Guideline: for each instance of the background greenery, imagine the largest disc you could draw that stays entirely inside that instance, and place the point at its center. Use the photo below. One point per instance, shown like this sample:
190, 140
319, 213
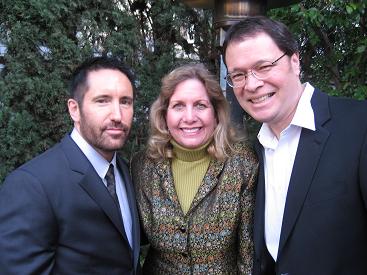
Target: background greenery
42, 41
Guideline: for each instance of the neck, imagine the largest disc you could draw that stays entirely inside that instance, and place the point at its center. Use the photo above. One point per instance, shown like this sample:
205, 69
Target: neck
186, 154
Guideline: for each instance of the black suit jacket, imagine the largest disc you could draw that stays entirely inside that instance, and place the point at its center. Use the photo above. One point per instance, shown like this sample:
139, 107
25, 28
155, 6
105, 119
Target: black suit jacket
324, 229
57, 217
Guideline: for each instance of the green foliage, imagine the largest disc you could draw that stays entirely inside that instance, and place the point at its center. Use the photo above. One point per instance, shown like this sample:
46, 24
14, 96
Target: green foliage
333, 39
166, 28
45, 41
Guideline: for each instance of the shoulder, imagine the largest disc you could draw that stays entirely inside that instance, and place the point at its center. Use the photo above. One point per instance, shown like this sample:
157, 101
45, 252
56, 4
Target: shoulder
338, 112
242, 161
240, 167
345, 101
48, 169
43, 164
336, 103
38, 173
353, 107
139, 159
243, 151
142, 164
147, 172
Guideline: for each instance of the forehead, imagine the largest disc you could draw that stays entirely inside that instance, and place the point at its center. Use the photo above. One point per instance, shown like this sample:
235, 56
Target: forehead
249, 50
255, 40
109, 80
190, 89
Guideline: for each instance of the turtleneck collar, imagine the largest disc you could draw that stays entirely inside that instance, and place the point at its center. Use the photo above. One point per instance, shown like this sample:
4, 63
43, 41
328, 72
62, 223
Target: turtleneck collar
189, 155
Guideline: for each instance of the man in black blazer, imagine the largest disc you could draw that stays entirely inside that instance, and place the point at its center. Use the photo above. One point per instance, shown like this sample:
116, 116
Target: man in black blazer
310, 213
59, 214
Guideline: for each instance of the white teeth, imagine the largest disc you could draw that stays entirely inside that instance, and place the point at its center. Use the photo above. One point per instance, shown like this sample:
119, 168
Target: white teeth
190, 130
260, 99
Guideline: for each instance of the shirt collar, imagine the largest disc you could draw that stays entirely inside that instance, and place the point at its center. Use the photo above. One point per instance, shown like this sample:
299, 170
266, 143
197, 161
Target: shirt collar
304, 116
99, 163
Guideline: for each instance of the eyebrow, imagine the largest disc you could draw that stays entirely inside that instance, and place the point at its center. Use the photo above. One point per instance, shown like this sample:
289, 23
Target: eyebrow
127, 97
109, 96
195, 101
254, 65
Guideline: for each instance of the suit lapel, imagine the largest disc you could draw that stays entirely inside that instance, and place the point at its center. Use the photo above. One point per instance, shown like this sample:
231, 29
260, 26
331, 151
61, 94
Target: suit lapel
133, 208
259, 203
309, 150
163, 169
94, 186
307, 157
91, 182
210, 180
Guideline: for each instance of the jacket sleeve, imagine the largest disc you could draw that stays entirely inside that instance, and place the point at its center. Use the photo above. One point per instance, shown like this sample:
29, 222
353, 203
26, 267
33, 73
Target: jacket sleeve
363, 170
137, 168
28, 229
246, 245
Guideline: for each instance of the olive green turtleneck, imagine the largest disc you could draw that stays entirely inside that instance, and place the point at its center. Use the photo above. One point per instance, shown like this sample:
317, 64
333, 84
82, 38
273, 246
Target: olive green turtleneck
188, 168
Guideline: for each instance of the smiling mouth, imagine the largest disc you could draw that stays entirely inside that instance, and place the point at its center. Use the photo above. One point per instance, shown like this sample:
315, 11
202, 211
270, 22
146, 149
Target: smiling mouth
190, 130
262, 99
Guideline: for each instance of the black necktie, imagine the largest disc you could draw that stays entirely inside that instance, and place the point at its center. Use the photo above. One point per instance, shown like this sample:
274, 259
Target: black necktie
111, 184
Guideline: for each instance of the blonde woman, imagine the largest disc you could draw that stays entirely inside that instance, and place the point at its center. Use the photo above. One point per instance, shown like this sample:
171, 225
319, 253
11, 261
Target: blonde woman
195, 181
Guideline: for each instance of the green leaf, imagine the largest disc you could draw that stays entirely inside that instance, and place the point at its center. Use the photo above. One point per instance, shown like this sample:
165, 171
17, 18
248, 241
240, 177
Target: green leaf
361, 49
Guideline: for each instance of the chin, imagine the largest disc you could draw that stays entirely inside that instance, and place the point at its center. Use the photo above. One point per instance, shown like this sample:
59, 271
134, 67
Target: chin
188, 145
114, 146
261, 117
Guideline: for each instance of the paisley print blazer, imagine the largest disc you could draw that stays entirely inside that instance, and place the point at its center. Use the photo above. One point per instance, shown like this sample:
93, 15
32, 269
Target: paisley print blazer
215, 236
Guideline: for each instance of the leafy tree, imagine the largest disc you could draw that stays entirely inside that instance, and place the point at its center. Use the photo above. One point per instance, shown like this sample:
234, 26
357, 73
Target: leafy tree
45, 41
333, 38
170, 33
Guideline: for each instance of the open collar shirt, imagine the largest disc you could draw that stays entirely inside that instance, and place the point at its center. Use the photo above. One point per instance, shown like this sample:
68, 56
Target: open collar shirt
279, 158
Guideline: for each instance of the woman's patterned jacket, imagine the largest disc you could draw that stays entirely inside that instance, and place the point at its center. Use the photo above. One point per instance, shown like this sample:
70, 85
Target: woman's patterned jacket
215, 236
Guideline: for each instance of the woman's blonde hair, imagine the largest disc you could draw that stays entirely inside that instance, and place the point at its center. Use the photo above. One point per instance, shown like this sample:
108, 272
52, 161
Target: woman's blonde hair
224, 134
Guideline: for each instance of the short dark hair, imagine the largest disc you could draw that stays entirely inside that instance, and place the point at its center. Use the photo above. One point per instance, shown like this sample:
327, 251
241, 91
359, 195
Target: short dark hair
78, 83
253, 25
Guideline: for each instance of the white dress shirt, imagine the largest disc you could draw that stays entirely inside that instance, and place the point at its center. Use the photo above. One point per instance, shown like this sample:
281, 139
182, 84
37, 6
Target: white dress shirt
279, 158
101, 165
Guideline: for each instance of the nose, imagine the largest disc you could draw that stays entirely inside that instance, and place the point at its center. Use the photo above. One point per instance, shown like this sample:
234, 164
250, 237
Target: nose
116, 112
252, 83
189, 115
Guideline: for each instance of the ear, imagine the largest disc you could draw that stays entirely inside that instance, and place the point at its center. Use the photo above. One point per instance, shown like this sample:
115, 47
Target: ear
74, 110
295, 63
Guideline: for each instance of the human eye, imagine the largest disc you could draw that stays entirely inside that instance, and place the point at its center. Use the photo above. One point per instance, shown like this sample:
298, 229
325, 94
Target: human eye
237, 76
264, 67
201, 105
177, 106
126, 101
262, 70
101, 100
